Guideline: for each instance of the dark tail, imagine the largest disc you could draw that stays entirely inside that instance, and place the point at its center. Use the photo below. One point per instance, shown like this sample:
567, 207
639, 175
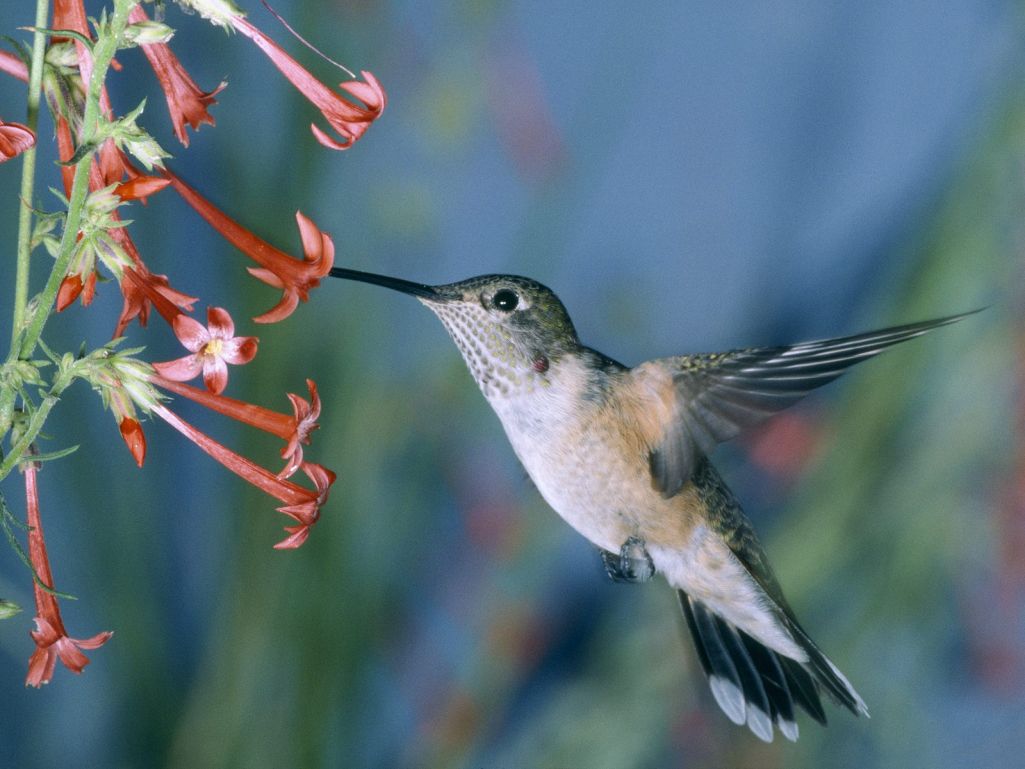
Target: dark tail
756, 685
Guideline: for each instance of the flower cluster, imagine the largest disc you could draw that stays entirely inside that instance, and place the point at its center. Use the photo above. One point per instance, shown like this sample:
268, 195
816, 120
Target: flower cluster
107, 163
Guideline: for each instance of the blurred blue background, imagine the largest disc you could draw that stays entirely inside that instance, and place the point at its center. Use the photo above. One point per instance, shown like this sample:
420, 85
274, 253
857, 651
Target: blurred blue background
688, 177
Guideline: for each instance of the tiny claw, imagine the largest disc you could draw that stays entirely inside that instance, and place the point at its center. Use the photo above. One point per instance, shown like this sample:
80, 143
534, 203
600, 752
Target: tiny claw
633, 564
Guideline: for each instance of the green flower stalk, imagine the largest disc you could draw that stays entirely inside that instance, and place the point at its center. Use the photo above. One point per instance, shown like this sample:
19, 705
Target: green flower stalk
109, 160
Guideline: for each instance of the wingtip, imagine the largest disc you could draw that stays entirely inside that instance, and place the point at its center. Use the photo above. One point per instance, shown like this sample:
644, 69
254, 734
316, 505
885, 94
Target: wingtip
947, 320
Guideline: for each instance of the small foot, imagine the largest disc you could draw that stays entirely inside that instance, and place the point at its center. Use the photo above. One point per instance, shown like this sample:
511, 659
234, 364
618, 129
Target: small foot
633, 564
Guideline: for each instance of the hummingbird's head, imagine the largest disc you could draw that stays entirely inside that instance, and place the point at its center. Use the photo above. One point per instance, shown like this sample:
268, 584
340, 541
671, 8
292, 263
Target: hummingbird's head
509, 329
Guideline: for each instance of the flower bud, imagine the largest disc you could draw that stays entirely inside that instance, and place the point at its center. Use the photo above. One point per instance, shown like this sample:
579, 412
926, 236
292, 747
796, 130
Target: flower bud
219, 12
147, 33
8, 608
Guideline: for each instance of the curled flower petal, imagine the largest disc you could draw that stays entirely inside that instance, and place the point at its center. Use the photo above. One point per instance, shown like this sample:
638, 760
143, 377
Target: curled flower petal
306, 415
51, 646
15, 138
307, 513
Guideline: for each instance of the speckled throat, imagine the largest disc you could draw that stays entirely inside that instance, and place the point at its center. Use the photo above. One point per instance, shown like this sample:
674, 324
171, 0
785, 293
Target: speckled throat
509, 329
495, 357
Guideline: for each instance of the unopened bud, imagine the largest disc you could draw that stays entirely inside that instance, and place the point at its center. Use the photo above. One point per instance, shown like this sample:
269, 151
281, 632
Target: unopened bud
146, 33
134, 438
62, 55
219, 12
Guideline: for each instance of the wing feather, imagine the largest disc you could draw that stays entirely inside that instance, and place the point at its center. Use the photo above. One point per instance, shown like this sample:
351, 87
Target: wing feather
720, 395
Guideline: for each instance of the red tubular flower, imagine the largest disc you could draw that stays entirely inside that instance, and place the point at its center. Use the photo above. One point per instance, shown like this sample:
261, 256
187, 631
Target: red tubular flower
302, 505
344, 115
185, 101
51, 639
15, 138
294, 430
70, 14
13, 66
293, 276
111, 164
212, 348
142, 288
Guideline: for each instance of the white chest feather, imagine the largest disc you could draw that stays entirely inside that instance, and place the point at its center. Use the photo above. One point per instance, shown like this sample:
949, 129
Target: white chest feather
568, 456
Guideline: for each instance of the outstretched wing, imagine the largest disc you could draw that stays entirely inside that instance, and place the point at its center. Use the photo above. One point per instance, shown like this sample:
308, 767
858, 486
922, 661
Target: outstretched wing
715, 397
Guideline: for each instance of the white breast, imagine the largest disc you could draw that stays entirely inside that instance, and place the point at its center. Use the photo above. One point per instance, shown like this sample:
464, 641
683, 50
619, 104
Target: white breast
567, 458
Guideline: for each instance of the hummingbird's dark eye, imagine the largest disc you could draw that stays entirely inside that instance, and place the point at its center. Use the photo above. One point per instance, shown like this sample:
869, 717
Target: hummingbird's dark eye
506, 300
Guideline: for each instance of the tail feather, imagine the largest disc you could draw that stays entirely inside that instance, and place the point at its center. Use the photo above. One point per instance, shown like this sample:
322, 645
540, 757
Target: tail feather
756, 685
776, 686
827, 674
802, 686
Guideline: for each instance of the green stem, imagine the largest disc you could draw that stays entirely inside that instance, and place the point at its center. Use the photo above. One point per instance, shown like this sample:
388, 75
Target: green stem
26, 331
28, 174
34, 426
103, 53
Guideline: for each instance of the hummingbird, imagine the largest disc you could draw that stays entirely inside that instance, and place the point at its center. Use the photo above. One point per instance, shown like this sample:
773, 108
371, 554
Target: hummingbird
622, 455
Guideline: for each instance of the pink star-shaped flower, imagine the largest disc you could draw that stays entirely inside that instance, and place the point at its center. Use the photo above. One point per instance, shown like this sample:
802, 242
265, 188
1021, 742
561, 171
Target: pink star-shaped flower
212, 348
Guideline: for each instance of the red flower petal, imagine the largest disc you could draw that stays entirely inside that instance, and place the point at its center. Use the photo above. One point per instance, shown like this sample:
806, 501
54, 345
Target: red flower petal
15, 138
45, 634
180, 369
239, 350
190, 332
220, 323
215, 374
41, 666
13, 66
94, 642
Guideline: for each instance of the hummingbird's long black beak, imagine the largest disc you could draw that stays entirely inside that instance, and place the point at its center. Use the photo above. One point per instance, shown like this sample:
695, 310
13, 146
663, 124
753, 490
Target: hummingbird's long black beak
405, 286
